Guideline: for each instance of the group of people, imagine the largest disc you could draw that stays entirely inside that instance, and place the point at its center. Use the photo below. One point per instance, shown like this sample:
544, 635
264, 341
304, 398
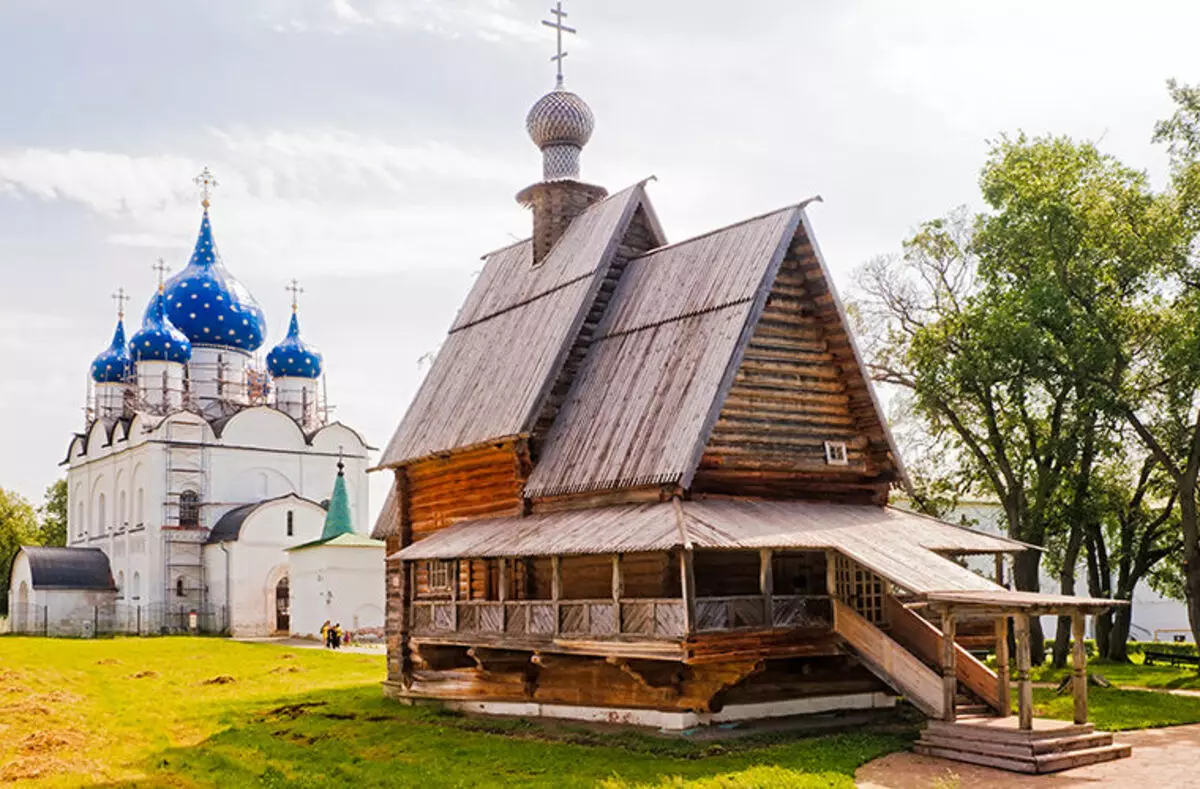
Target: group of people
332, 635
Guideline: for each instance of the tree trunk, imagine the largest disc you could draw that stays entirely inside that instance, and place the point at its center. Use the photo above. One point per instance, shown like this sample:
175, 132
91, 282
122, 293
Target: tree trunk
1025, 578
1118, 637
1191, 549
1066, 582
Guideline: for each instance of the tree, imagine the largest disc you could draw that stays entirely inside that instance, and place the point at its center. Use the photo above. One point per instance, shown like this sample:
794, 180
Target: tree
18, 526
52, 515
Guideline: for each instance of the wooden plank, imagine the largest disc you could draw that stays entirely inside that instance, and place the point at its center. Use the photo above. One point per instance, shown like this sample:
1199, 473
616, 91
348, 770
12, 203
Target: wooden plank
1024, 685
1079, 666
1003, 693
890, 661
687, 579
949, 680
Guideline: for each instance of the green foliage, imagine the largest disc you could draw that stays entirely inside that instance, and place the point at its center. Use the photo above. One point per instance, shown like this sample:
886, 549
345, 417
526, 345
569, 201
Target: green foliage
18, 526
52, 515
138, 712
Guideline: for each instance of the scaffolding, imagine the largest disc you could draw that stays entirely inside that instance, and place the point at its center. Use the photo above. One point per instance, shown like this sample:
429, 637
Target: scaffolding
185, 525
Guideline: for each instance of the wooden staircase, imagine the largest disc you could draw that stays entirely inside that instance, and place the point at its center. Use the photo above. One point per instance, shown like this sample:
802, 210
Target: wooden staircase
997, 742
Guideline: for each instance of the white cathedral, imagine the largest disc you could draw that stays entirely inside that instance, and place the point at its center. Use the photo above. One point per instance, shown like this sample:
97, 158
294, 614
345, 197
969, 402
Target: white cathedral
201, 480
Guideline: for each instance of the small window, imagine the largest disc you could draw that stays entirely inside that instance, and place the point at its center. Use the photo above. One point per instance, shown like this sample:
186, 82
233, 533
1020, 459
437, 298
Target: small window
291, 523
189, 509
179, 590
438, 572
835, 453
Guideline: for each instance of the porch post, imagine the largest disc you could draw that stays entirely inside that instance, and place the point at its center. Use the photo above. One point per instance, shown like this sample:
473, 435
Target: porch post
556, 587
502, 592
766, 585
687, 579
949, 679
999, 569
617, 581
1079, 664
1024, 688
454, 595
1002, 665
831, 586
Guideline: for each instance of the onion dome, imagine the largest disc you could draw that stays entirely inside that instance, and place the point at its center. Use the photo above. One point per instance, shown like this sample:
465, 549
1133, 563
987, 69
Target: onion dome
158, 340
113, 366
291, 358
560, 124
208, 305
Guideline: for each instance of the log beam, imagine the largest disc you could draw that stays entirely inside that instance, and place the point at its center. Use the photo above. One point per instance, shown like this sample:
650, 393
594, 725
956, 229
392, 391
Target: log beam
1024, 686
949, 670
1002, 666
1079, 667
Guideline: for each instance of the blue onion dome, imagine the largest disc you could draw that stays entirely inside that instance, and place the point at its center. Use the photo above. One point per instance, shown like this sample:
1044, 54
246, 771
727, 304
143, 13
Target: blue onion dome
291, 358
113, 365
158, 340
208, 305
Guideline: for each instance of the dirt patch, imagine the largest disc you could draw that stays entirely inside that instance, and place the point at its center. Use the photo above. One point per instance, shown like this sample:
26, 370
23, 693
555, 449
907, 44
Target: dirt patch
340, 716
108, 661
291, 711
144, 675
220, 679
285, 670
60, 697
287, 656
43, 742
10, 676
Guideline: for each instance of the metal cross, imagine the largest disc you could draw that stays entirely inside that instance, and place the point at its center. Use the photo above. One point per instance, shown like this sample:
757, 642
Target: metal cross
162, 268
120, 298
559, 29
207, 182
296, 290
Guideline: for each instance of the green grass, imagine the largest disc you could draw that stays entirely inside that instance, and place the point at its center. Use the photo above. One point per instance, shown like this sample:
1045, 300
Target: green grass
145, 713
1112, 709
1127, 675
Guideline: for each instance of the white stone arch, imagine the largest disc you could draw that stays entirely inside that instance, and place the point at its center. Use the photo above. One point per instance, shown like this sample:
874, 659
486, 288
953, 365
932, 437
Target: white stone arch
136, 587
278, 575
138, 486
101, 513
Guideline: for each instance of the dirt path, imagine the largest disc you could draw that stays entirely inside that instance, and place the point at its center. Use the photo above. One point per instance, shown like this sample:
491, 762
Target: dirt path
1162, 759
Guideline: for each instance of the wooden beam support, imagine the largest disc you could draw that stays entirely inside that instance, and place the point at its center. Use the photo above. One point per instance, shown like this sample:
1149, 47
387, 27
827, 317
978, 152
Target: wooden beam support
618, 582
1002, 665
454, 595
1079, 666
687, 580
831, 585
502, 592
766, 584
999, 569
949, 670
556, 590
1024, 686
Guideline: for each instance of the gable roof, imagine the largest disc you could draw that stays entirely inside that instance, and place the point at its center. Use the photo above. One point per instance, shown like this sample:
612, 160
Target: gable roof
646, 398
510, 338
69, 568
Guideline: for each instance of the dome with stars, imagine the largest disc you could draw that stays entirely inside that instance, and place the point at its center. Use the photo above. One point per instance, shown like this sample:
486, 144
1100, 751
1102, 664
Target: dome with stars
208, 305
113, 365
291, 358
158, 340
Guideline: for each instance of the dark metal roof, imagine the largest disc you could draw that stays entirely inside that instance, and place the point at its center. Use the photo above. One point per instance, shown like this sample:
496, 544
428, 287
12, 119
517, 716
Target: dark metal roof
69, 568
229, 526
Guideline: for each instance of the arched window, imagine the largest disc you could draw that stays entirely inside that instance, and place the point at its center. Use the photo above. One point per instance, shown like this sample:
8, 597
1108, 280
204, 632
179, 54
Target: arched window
291, 523
137, 586
179, 591
121, 584
139, 505
79, 522
101, 514
189, 509
123, 511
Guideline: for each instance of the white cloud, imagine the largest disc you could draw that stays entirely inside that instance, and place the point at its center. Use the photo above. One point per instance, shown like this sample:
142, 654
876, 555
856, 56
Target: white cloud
487, 20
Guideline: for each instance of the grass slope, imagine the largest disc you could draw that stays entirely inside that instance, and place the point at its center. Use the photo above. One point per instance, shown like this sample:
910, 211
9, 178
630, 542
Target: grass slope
185, 712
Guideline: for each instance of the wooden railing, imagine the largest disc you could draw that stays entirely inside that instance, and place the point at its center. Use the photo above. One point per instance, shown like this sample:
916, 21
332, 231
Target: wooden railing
922, 637
756, 611
647, 618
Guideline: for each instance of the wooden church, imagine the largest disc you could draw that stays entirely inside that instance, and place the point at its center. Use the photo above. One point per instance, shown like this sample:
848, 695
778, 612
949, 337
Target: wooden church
648, 482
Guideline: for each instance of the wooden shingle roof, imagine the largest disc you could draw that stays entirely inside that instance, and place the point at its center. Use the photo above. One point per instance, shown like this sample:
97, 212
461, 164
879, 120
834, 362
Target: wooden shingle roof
509, 340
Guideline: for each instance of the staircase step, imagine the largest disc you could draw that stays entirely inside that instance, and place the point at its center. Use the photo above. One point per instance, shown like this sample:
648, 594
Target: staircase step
1077, 742
998, 733
1016, 765
1053, 762
971, 709
1021, 752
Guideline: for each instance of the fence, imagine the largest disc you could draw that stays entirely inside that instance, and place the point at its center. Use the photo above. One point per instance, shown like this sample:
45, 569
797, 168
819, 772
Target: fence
131, 619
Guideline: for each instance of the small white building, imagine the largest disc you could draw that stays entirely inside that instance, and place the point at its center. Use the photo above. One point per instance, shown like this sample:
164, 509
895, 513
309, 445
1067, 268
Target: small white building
339, 577
60, 591
200, 464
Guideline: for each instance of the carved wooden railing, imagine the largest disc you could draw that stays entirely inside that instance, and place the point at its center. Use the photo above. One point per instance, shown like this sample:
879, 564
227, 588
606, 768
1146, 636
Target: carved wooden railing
756, 611
648, 618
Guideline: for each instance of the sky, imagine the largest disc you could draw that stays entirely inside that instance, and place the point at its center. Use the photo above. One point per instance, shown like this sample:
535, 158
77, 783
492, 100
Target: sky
372, 149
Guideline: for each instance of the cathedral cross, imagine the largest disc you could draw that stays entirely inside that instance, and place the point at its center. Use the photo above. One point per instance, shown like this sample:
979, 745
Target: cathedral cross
296, 290
162, 268
559, 29
120, 298
207, 182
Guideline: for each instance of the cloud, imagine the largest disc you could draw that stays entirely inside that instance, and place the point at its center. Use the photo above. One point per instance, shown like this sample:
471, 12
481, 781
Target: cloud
488, 20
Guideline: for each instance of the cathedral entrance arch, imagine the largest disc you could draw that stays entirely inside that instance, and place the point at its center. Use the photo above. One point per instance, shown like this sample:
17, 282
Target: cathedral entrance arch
283, 604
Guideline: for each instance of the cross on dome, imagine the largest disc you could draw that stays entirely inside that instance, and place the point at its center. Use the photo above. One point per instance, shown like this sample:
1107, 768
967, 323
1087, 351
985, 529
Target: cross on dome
120, 297
294, 288
207, 183
559, 29
162, 268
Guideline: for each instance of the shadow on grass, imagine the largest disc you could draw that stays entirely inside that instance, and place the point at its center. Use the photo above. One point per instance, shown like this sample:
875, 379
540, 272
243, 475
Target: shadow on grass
356, 737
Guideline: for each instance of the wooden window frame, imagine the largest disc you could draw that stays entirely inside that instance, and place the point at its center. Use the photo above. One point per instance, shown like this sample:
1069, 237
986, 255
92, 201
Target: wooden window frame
836, 453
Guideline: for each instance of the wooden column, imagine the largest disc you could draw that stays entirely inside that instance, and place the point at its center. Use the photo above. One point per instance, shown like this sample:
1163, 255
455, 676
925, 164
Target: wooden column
1079, 664
617, 581
687, 582
1002, 665
831, 586
502, 592
766, 585
556, 587
999, 568
1024, 688
949, 678
456, 580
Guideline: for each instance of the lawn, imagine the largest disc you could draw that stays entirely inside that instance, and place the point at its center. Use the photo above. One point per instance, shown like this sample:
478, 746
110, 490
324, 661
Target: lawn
1112, 709
1130, 675
184, 712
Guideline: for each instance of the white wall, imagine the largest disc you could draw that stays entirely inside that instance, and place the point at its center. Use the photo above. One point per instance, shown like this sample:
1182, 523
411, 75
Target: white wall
339, 584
